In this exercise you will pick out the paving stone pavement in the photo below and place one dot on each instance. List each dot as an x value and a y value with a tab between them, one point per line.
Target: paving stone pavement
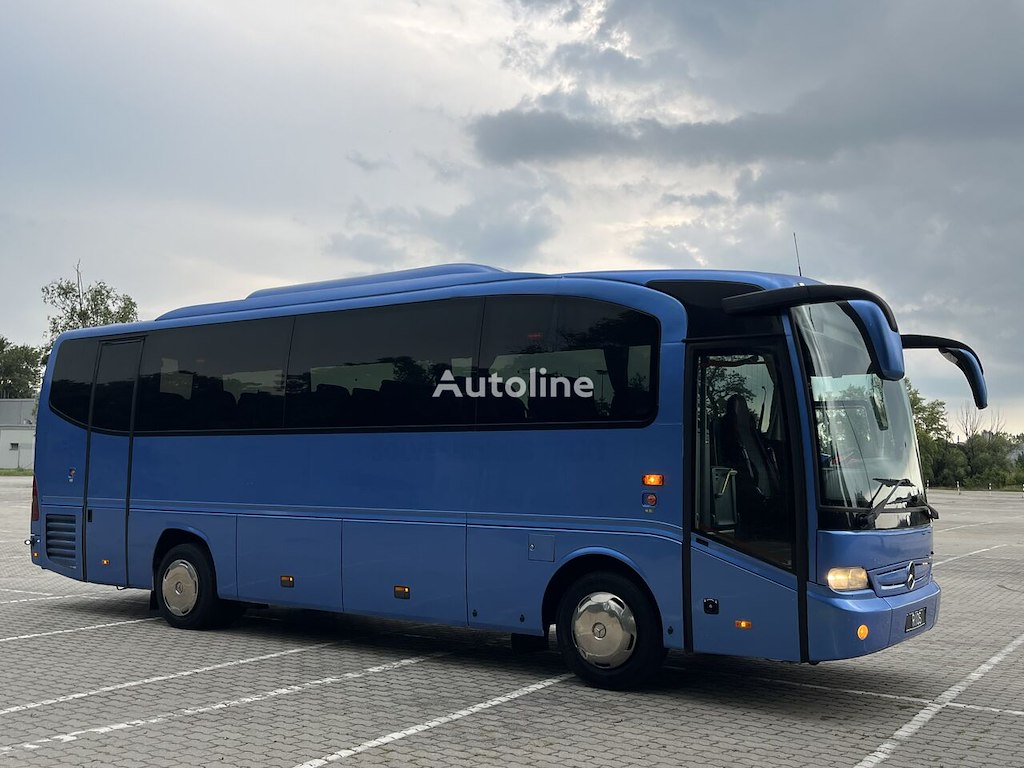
89	677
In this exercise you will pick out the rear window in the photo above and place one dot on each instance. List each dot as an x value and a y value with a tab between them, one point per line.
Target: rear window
71	387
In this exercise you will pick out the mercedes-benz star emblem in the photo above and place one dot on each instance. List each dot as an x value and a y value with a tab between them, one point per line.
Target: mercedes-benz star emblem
912	578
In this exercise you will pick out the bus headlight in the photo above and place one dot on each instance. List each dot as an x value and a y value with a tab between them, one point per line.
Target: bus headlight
847	579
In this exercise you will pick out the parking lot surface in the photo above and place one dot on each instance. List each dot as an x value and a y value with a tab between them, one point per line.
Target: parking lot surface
90	676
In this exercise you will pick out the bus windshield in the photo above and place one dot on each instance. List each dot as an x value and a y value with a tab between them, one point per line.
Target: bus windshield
868	468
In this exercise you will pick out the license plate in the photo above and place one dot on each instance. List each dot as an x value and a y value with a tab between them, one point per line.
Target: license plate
915	619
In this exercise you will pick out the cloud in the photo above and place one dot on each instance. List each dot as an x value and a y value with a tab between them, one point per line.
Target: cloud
499	224
361	161
890	137
166	145
708	199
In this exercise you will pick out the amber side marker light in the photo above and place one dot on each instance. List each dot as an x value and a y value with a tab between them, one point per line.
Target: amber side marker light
401	592
744	624
654	479
288	582
862	631
104	561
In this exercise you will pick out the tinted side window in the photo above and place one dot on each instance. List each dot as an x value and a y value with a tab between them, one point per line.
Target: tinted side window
115	385
228	376
704	314
380	367
71	387
580	360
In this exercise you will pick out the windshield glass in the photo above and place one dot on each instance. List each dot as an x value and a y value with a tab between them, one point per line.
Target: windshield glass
868	469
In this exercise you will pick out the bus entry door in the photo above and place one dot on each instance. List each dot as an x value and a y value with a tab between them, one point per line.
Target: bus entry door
741	605
743	584
106	506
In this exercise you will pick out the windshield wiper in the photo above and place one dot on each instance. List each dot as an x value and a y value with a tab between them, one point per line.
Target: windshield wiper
917	502
865	519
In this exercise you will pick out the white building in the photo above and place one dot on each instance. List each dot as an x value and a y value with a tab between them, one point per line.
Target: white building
17	433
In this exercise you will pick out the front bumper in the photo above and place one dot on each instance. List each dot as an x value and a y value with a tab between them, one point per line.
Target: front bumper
833	620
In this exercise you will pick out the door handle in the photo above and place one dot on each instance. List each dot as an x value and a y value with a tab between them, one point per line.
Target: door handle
88	515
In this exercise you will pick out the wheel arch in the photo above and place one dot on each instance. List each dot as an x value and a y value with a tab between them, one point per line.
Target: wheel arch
592	560
172	537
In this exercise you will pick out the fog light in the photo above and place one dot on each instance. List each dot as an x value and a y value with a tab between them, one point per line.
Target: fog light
847	579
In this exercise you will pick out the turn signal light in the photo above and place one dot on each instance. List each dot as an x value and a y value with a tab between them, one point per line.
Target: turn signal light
654	479
862	631
744	624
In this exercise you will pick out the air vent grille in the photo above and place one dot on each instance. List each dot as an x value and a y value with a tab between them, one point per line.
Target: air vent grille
62	539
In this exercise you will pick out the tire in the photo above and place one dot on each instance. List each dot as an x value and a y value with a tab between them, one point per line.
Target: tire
186	590
609	632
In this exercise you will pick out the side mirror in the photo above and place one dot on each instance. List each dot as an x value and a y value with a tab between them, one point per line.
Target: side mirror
883	341
878	324
961	355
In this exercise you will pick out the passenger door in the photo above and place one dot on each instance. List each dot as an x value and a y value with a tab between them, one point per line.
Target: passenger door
109	462
743	583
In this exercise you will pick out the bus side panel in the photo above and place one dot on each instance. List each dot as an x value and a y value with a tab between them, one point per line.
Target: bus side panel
108	484
507	579
308	550
741	594
428	558
217	529
504	581
60	478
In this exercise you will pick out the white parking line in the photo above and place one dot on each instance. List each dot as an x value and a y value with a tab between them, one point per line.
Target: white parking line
993	710
825	688
975	552
51	597
159	678
958	527
76	629
449	718
933	708
179	713
24	591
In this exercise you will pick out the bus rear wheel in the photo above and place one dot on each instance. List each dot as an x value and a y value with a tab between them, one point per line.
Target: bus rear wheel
186	590
608	631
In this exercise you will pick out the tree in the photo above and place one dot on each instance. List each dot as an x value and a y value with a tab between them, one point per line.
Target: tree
950	465
19	369
85	307
932	432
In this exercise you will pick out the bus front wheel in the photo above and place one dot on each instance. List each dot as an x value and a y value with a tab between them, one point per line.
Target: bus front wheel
186	590
608	631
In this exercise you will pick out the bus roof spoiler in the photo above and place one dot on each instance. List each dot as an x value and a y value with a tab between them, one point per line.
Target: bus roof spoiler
876	320
958	353
758	302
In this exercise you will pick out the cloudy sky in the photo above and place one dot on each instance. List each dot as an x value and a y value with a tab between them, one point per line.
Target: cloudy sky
194	150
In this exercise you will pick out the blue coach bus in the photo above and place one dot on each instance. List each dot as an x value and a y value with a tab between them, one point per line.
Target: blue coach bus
718	462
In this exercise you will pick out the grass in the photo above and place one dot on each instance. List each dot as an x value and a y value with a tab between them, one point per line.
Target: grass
15	473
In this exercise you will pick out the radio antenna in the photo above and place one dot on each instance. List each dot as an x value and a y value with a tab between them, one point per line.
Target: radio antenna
796	247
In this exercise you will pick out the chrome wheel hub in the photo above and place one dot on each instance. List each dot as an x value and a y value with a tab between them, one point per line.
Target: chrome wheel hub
604	630
180	587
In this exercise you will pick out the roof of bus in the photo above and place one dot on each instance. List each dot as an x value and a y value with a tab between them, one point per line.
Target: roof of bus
431	278
451	275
